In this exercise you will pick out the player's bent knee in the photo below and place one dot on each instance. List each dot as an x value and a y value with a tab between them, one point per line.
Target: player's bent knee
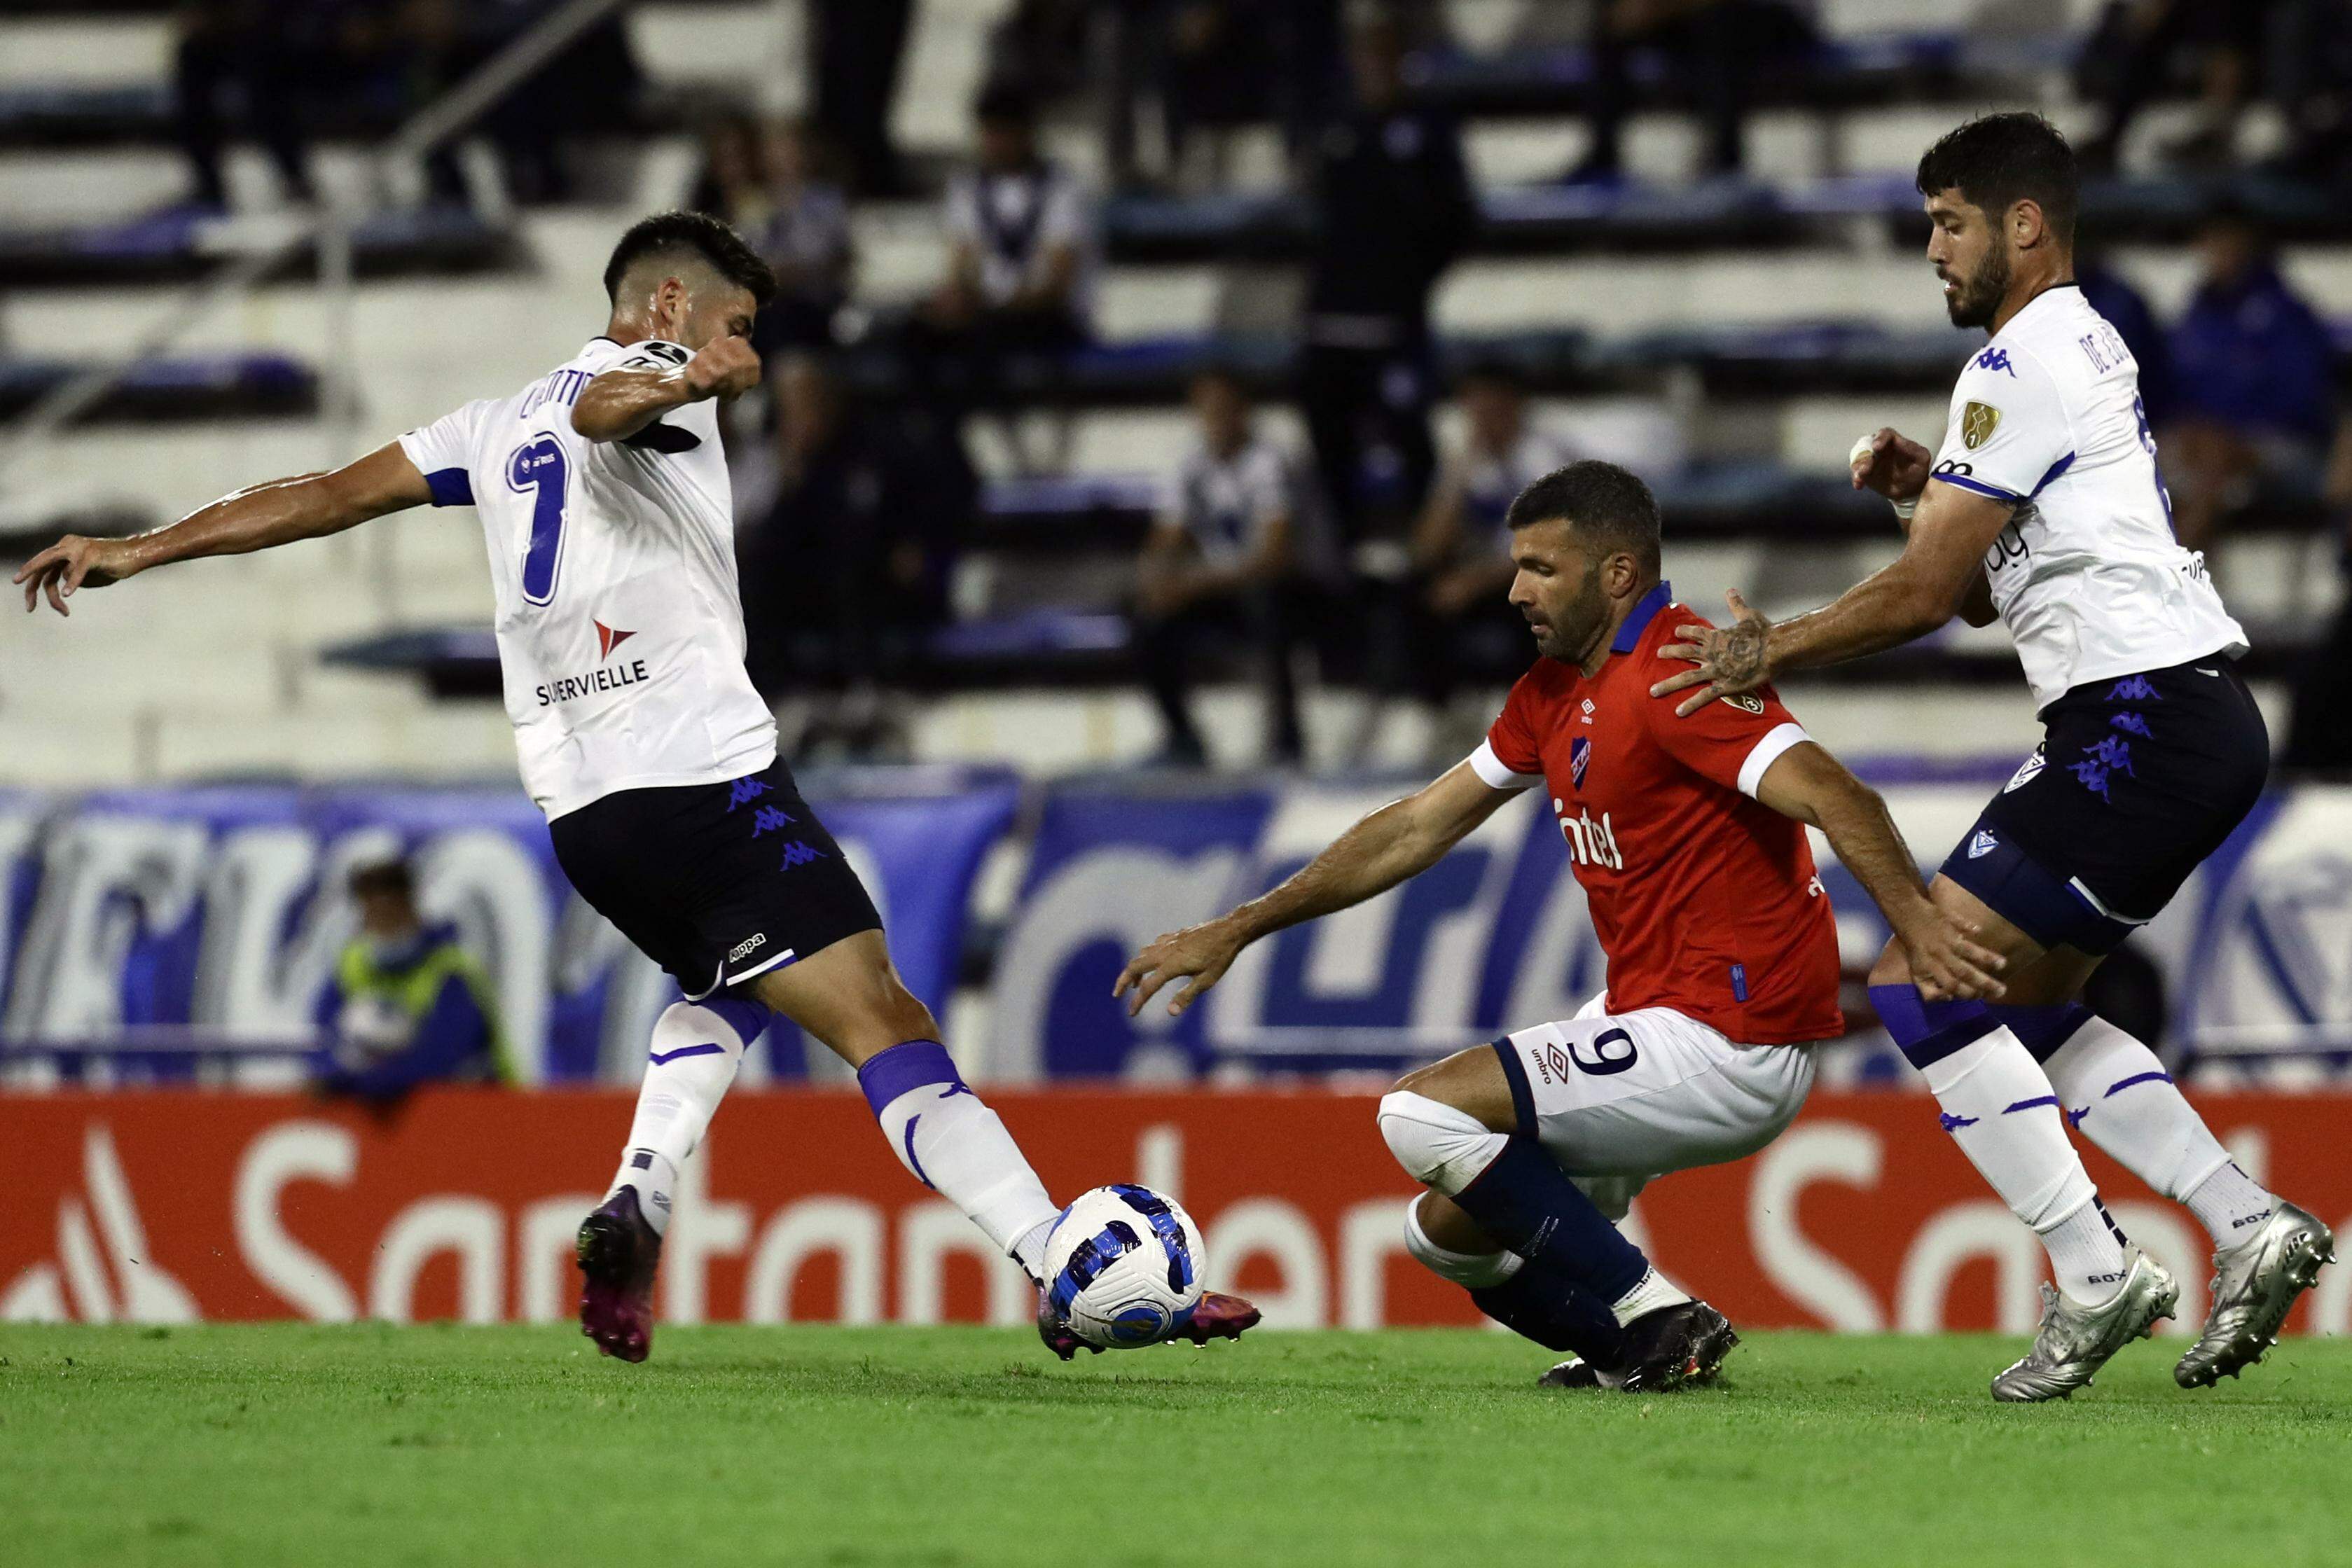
1439	1145
1478	1271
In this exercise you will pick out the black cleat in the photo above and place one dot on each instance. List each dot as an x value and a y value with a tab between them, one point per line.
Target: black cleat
1681	1346
618	1252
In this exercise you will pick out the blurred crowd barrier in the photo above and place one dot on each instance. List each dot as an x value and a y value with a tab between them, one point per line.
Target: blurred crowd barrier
133	920
169	1206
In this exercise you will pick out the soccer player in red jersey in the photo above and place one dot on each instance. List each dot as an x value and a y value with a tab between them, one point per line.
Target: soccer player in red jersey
1688	836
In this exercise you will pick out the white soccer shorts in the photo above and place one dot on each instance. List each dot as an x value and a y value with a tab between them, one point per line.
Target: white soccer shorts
1618	1099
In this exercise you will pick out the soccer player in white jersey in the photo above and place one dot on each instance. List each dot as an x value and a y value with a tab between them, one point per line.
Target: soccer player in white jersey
2045	507
602	492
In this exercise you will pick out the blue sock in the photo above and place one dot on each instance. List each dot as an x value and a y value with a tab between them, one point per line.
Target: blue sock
2045	1029
1541	1304
1526	1202
1929	1031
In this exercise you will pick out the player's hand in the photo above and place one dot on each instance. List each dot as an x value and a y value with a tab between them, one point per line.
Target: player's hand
1202	952
1891	464
724	367
1945	965
70	563
1730	659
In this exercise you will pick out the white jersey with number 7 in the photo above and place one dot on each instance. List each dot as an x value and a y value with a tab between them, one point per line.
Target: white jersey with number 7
620	626
2087	575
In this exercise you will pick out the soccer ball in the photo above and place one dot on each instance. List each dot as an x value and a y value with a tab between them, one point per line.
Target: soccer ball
1123	1266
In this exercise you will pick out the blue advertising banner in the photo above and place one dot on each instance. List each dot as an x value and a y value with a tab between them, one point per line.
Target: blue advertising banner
217	913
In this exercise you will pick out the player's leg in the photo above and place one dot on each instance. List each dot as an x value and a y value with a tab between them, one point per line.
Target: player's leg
849	998
2113	1088
1511	1139
1999	1107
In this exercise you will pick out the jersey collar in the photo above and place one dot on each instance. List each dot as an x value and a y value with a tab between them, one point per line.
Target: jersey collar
1638	619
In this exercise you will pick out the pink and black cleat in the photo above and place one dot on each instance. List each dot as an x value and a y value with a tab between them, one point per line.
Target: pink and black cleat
618	1252
1218	1316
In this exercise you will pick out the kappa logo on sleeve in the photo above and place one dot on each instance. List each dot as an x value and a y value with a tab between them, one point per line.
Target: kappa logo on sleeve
1977	421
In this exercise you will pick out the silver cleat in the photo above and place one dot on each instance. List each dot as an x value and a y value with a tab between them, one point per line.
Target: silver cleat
2254	1286
2075	1341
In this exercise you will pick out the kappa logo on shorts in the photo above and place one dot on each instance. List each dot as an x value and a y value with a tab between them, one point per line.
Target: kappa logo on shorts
743	791
2027	771
770	820
1579	758
797	853
752	945
1983	844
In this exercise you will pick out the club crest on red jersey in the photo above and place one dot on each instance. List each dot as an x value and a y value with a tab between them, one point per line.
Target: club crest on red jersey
1579	757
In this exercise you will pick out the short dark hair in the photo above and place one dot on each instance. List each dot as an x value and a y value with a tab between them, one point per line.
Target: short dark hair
383	878
690	234
1997	160
1598	500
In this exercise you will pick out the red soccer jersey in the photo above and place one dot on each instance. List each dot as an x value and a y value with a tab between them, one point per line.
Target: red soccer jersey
1705	899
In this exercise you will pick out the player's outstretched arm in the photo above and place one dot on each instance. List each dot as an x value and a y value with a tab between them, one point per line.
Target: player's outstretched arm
1926	585
623	402
276	512
1807	783
1400	841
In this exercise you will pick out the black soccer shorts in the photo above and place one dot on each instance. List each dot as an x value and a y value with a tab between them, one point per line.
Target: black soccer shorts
2136	781
716	883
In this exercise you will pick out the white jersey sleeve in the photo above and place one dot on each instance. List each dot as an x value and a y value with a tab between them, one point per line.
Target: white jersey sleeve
442	453
2010	433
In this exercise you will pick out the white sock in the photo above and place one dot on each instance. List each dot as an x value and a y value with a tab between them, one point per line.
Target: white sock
2119	1096
2230	1204
693	1057
1654	1291
1470	1270
1999	1107
954	1144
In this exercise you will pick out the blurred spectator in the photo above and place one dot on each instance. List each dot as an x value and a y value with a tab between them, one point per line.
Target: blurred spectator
1720	47
408	1005
2254	385
1218	563
1021	270
2112	295
766	182
849	570
1020	238
1393	209
2293	51
854	51
263	59
1207	65
1462	547
2319	733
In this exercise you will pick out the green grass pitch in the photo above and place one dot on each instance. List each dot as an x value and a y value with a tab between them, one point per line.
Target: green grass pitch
374	1445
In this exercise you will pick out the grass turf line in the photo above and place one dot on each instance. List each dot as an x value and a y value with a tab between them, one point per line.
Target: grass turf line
292	1444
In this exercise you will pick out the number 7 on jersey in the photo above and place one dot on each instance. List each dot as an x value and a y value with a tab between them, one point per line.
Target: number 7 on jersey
538	466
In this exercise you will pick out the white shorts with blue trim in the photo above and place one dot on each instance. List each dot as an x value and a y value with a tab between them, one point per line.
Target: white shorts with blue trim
1637	1094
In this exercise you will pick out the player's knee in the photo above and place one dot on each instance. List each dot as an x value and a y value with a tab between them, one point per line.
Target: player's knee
1471	1260
1440	1145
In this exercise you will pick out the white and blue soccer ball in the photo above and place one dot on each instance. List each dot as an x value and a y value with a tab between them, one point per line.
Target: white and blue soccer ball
1124	1266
